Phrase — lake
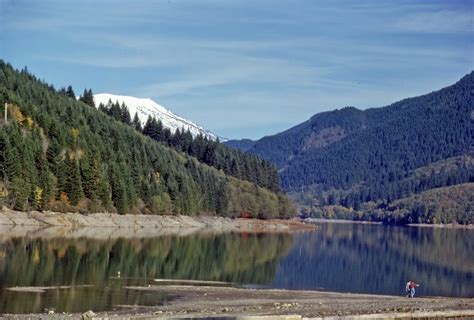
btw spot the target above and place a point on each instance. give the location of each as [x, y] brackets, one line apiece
[335, 257]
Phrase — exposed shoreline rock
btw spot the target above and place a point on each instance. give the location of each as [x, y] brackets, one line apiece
[239, 303]
[106, 225]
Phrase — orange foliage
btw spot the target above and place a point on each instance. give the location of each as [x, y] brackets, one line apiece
[17, 114]
[63, 197]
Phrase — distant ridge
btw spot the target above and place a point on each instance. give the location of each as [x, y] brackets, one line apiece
[363, 161]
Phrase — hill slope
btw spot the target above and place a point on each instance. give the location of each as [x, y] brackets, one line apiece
[61, 154]
[348, 157]
[244, 144]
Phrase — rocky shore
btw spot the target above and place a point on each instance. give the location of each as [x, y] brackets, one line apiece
[211, 302]
[105, 225]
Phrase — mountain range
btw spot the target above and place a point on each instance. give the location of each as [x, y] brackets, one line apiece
[409, 162]
[372, 158]
[145, 108]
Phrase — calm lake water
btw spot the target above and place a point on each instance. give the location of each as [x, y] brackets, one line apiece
[334, 257]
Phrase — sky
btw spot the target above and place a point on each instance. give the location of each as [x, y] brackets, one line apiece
[243, 69]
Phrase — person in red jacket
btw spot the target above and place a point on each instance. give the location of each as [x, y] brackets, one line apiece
[410, 288]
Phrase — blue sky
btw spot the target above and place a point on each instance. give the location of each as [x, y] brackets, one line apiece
[243, 69]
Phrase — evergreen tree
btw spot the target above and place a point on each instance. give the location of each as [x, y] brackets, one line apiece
[88, 98]
[73, 186]
[119, 192]
[136, 124]
[125, 115]
[115, 111]
[70, 93]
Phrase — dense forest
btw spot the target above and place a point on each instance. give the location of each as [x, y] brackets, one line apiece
[61, 154]
[348, 157]
[232, 161]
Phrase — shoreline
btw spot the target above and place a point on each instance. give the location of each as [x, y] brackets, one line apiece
[323, 220]
[187, 301]
[172, 223]
[104, 225]
[422, 225]
[439, 225]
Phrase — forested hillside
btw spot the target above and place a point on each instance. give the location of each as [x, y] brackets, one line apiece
[64, 155]
[244, 144]
[233, 162]
[347, 158]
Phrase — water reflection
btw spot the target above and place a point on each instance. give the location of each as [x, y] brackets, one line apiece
[237, 258]
[380, 259]
[78, 299]
[335, 257]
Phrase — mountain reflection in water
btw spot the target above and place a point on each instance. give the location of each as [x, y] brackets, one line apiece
[381, 259]
[334, 257]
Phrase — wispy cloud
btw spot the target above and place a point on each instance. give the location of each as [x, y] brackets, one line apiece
[245, 63]
[442, 21]
[237, 70]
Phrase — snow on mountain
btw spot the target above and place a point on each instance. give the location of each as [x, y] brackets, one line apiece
[148, 107]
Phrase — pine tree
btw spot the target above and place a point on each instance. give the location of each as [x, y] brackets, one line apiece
[115, 111]
[73, 185]
[88, 98]
[125, 115]
[47, 189]
[70, 93]
[119, 192]
[103, 108]
[19, 190]
[136, 124]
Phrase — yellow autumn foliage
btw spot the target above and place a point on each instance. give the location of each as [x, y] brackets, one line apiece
[17, 114]
[29, 122]
[75, 133]
[3, 191]
[38, 195]
[35, 255]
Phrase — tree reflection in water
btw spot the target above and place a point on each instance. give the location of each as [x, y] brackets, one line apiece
[236, 258]
[380, 259]
[336, 257]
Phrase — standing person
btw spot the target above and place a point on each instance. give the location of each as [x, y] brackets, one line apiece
[410, 288]
[407, 288]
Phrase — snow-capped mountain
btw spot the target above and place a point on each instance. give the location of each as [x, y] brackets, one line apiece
[148, 107]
